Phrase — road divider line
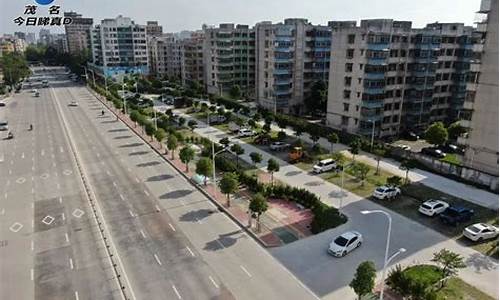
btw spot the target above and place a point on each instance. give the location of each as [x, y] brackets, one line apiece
[63, 216]
[60, 199]
[137, 180]
[171, 227]
[157, 208]
[246, 271]
[76, 296]
[131, 213]
[66, 236]
[213, 282]
[71, 263]
[32, 245]
[176, 292]
[143, 234]
[157, 259]
[114, 184]
[121, 197]
[146, 192]
[32, 274]
[189, 250]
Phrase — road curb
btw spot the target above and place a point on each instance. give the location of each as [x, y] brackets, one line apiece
[219, 206]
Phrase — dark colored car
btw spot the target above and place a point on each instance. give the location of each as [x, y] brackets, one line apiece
[410, 135]
[434, 152]
[456, 214]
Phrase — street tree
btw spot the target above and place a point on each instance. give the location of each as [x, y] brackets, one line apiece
[204, 167]
[361, 171]
[455, 130]
[333, 138]
[235, 92]
[379, 153]
[318, 97]
[228, 115]
[256, 157]
[251, 123]
[224, 141]
[281, 135]
[298, 129]
[239, 122]
[407, 165]
[394, 181]
[258, 206]
[449, 261]
[220, 111]
[192, 124]
[172, 143]
[228, 185]
[238, 150]
[436, 134]
[186, 155]
[266, 128]
[181, 121]
[272, 166]
[269, 119]
[364, 279]
[281, 123]
[160, 135]
[354, 148]
[150, 129]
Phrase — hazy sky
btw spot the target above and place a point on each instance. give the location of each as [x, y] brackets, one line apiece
[176, 15]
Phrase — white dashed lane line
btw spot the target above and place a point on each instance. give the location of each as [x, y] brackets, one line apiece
[213, 282]
[176, 292]
[246, 271]
[157, 259]
[171, 227]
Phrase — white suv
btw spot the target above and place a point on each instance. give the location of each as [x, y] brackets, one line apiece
[433, 207]
[324, 166]
[245, 132]
[386, 192]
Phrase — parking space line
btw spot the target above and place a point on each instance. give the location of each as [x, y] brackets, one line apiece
[121, 197]
[76, 296]
[131, 213]
[137, 180]
[176, 292]
[114, 184]
[213, 282]
[189, 250]
[157, 259]
[66, 236]
[146, 192]
[63, 216]
[71, 263]
[143, 234]
[32, 245]
[171, 227]
[246, 271]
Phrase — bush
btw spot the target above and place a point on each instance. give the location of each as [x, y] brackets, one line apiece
[326, 217]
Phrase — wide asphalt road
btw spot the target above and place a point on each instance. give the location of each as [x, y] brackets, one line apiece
[168, 240]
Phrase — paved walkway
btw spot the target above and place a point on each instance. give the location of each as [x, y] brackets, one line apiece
[481, 272]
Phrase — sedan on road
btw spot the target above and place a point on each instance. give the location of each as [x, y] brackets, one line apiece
[345, 243]
[433, 207]
[480, 232]
[73, 103]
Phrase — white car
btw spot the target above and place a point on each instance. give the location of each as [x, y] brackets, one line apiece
[246, 132]
[278, 146]
[386, 192]
[433, 207]
[324, 166]
[73, 103]
[480, 232]
[345, 243]
[403, 147]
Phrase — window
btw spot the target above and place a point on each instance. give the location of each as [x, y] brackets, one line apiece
[347, 94]
[398, 93]
[351, 38]
[350, 53]
[358, 94]
[386, 120]
[348, 67]
[447, 64]
[395, 119]
[402, 53]
[346, 107]
[345, 120]
[357, 107]
[387, 106]
[347, 81]
[361, 66]
[446, 76]
[396, 106]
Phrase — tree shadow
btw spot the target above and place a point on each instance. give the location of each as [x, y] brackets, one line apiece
[118, 130]
[121, 137]
[337, 194]
[130, 145]
[160, 177]
[109, 121]
[225, 240]
[148, 164]
[176, 194]
[293, 173]
[196, 215]
[480, 262]
[138, 153]
[314, 183]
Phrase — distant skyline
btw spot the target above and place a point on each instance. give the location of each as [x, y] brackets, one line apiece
[177, 15]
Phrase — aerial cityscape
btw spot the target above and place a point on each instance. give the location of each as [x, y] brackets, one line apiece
[356, 158]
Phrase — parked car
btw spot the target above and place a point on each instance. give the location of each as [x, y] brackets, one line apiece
[410, 135]
[433, 207]
[434, 152]
[456, 214]
[324, 166]
[2, 103]
[449, 148]
[345, 243]
[386, 192]
[244, 132]
[480, 232]
[279, 146]
[403, 147]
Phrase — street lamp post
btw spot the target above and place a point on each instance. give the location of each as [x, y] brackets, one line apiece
[387, 259]
[342, 191]
[156, 123]
[86, 77]
[373, 133]
[213, 163]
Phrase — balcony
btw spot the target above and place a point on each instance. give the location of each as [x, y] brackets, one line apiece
[380, 75]
[468, 105]
[377, 61]
[379, 46]
[465, 123]
[373, 104]
[282, 71]
[282, 92]
[374, 90]
[282, 81]
[283, 60]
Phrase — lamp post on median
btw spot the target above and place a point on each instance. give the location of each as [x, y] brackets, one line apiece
[213, 163]
[387, 259]
[373, 133]
[342, 191]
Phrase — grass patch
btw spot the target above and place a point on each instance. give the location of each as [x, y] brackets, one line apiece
[457, 289]
[415, 193]
[425, 274]
[452, 159]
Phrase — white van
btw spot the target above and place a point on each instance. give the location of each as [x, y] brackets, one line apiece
[324, 166]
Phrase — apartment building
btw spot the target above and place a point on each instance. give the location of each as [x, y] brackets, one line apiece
[229, 59]
[12, 43]
[165, 55]
[153, 28]
[192, 59]
[119, 47]
[78, 33]
[386, 77]
[480, 111]
[289, 58]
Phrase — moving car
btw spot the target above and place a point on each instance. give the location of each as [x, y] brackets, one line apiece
[480, 232]
[345, 243]
[73, 103]
[386, 192]
[279, 146]
[37, 94]
[244, 132]
[434, 152]
[2, 103]
[4, 125]
[433, 207]
[456, 214]
[324, 166]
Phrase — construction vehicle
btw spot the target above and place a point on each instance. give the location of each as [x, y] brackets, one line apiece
[295, 154]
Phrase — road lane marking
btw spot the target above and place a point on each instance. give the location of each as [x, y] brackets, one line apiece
[157, 208]
[131, 213]
[146, 192]
[58, 186]
[107, 172]
[5, 195]
[171, 227]
[98, 155]
[32, 245]
[60, 199]
[76, 296]
[2, 212]
[114, 184]
[213, 282]
[246, 271]
[157, 259]
[189, 250]
[33, 168]
[43, 152]
[33, 205]
[47, 220]
[63, 216]
[128, 169]
[176, 292]
[121, 197]
[71, 263]
[33, 223]
[61, 149]
[10, 171]
[22, 155]
[137, 180]
[32, 274]
[143, 234]
[66, 236]
[32, 190]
